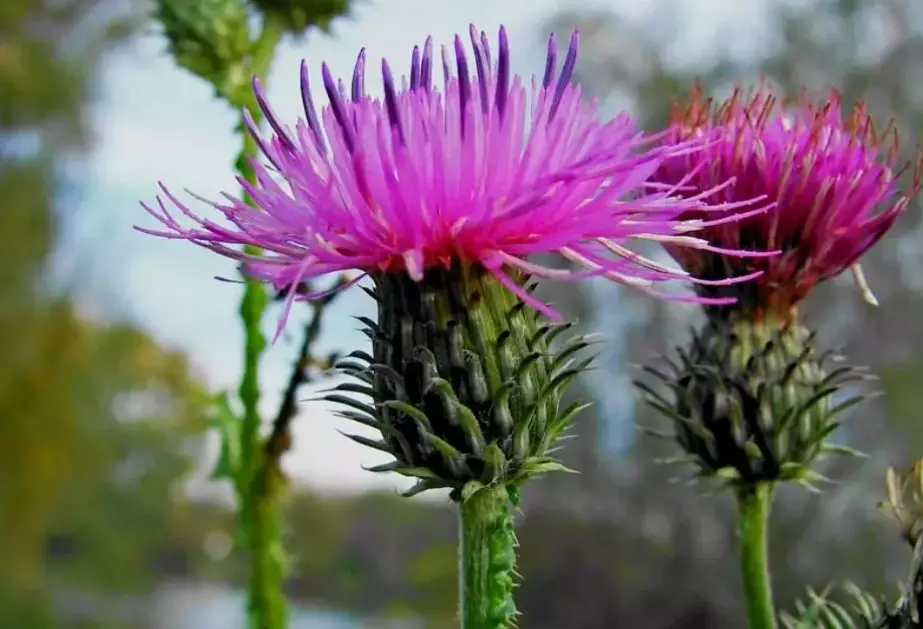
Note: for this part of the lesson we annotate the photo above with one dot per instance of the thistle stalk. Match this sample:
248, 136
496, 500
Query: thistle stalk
211, 39
486, 560
260, 510
753, 505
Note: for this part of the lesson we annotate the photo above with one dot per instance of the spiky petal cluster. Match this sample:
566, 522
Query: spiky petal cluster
474, 172
834, 190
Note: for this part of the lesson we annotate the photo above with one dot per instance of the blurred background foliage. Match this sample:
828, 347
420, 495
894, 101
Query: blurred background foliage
100, 426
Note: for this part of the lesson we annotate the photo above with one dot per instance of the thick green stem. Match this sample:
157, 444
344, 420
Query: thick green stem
486, 560
261, 517
753, 525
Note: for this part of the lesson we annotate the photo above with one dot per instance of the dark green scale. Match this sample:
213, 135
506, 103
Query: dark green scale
464, 383
752, 401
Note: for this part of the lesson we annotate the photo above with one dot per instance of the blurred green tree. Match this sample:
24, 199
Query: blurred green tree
97, 422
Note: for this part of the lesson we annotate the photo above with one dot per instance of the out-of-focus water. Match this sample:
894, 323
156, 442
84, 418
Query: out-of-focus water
198, 605
210, 606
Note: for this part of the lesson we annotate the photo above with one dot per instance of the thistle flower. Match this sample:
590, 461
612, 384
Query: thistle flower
752, 396
440, 197
833, 180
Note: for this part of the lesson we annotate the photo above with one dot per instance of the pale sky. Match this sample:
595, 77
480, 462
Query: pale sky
155, 122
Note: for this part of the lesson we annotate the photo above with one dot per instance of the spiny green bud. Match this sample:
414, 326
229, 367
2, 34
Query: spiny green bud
209, 38
298, 15
751, 402
464, 386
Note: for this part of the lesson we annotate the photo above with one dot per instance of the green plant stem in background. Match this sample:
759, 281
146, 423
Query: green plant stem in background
486, 559
255, 299
260, 510
752, 533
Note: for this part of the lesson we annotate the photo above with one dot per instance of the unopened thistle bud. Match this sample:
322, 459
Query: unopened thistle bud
209, 38
752, 401
299, 15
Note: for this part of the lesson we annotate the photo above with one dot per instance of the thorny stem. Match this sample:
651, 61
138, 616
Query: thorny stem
753, 525
486, 560
255, 300
260, 511
267, 603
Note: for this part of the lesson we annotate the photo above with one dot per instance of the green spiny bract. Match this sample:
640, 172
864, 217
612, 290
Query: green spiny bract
904, 503
752, 402
464, 387
298, 15
865, 612
210, 38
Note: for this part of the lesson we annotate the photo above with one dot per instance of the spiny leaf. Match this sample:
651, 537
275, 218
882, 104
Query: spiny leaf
537, 467
841, 450
409, 410
369, 324
352, 387
228, 425
471, 487
422, 485
447, 450
352, 403
403, 470
371, 443
473, 433
361, 355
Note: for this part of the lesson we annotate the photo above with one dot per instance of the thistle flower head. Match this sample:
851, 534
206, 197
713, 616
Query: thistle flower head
752, 402
833, 180
485, 169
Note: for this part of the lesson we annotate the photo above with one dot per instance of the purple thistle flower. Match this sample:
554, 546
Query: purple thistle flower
834, 190
472, 173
